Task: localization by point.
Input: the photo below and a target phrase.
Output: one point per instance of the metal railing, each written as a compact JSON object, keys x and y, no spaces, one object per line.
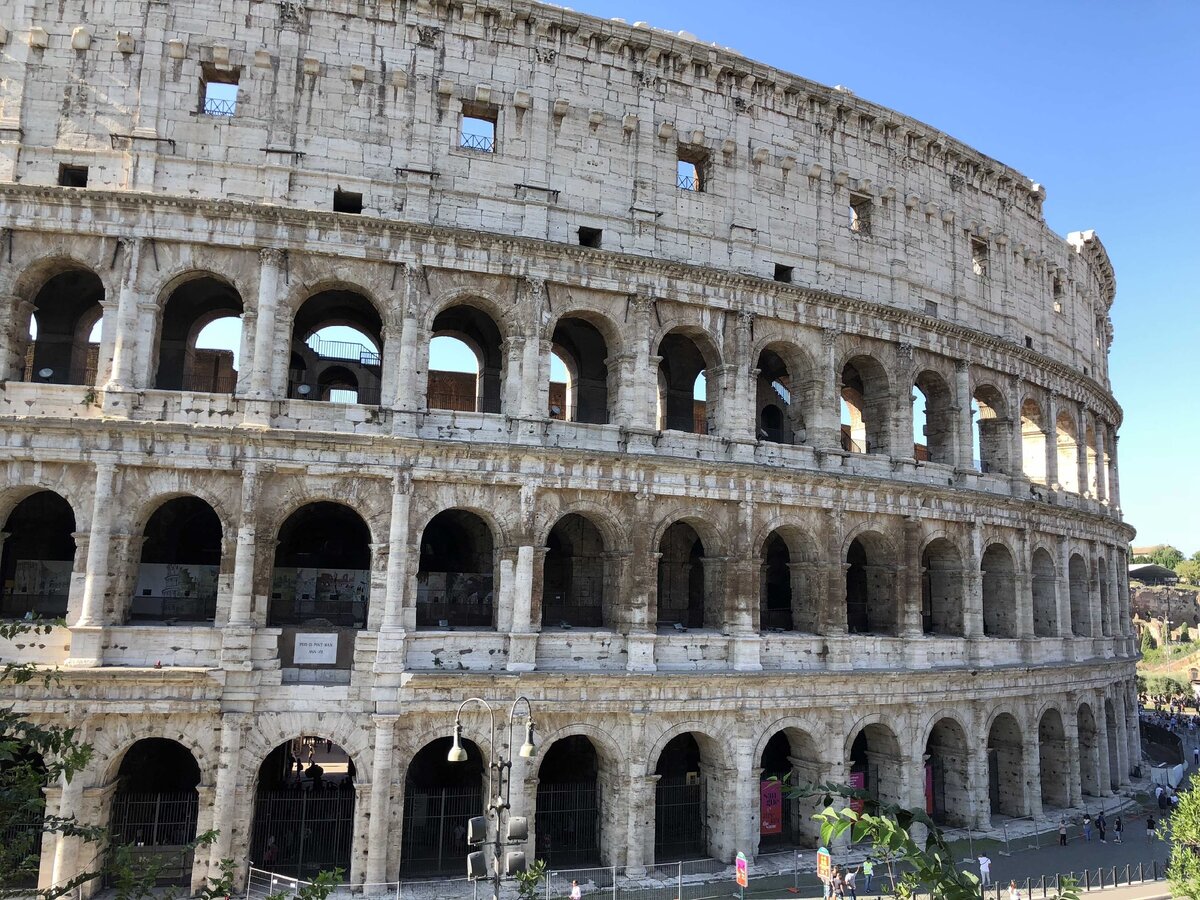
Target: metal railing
{"x":478,"y":142}
{"x":215,"y":106}
{"x":687,"y":183}
{"x":310,"y":389}
{"x":347,"y":351}
{"x":457,"y":599}
{"x":208,"y":383}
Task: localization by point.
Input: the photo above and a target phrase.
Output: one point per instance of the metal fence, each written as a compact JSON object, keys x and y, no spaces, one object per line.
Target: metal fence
{"x":159,"y":828}
{"x":435,"y":828}
{"x":299,"y":833}
{"x":568,"y":823}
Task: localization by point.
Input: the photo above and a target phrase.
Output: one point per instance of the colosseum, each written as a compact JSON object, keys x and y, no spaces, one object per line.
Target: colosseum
{"x":360,"y":358}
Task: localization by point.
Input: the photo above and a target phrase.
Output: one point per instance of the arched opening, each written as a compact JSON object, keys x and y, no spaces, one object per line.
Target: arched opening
{"x":1054,"y":762}
{"x":947,"y":787}
{"x":1067,"y":442}
{"x":681,"y":826}
{"x":452,"y":384}
{"x":775,"y":593}
{"x":870,"y":597}
{"x":1006,"y":767}
{"x":683,"y":389}
{"x":999,"y":592}
{"x":1045,"y":595}
{"x":941,"y":588}
{"x":790,"y":758}
{"x":779,"y":399}
{"x":322,"y":574}
{"x":23,"y":779}
{"x":1089,"y":751}
{"x":866,"y":397}
{"x":64,"y":330}
{"x":992,"y":431}
{"x":581,"y":392}
{"x":304,"y":809}
{"x":39,"y":554}
{"x":155,"y":806}
{"x":1093,"y":466}
{"x":1106,"y":610}
{"x":875,"y":764}
{"x":1114,"y":759}
{"x":933,"y":419}
{"x":1033,"y":441}
{"x":1081,"y":607}
{"x":683,"y":594}
{"x":455,"y":581}
{"x":338,"y":335}
{"x":439,"y":798}
{"x":574,"y":574}
{"x":200,"y":338}
{"x":569,"y":795}
{"x":181,"y":560}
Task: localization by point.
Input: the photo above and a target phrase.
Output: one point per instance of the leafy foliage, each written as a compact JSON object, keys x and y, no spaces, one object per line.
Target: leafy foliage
{"x":529,"y":880}
{"x":318,"y":889}
{"x":1183,"y":830}
{"x":1189,"y":570}
{"x":1147,"y":642}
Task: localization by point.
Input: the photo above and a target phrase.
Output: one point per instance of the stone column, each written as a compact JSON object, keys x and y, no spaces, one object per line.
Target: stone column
{"x":980,"y":804}
{"x":397,"y":567}
{"x":1024,"y":584}
{"x":900,"y":435}
{"x":824,"y":431}
{"x":411,"y":389}
{"x":66,"y":848}
{"x":1074,"y":784}
{"x":125,"y":336}
{"x":262,"y":365}
{"x":909,"y":581}
{"x":962,"y":392}
{"x":242,"y":596}
{"x":1051,"y":428}
{"x":87,"y":632}
{"x":505,"y":588}
{"x":1101,"y":458}
{"x":389,"y":373}
{"x":1114,"y":488}
{"x":1122,"y":742}
{"x":973,"y":586}
{"x":637,"y":389}
{"x":13,"y":335}
{"x":1103,"y":762}
{"x":1081,"y":448}
{"x":641,"y":823}
{"x":381,"y":782}
{"x":225,"y":791}
{"x":1066,"y":626}
{"x":1032,"y":763}
{"x":833,"y":618}
{"x":1095,"y":600}
{"x":739,"y":416}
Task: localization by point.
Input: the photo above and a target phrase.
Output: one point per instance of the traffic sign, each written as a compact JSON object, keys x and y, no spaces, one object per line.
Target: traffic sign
{"x":824,"y":864}
{"x":743,"y":870}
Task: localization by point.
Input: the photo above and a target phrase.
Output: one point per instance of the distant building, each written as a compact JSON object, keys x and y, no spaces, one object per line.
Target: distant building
{"x":1151,"y":574}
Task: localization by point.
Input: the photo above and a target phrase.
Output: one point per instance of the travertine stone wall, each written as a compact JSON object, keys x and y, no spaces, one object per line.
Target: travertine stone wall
{"x":1027,"y":664}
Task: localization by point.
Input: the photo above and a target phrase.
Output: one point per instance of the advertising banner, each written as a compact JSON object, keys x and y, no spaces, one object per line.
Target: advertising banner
{"x":858,"y":781}
{"x":770,"y":806}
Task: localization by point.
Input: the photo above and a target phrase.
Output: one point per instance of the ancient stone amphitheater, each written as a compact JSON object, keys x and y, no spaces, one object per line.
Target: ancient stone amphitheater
{"x":673,"y":497}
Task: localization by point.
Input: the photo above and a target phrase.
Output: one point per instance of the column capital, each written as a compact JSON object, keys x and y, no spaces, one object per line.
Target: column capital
{"x":272,"y":256}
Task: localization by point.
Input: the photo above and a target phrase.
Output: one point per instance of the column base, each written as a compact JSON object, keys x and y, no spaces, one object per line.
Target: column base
{"x":522,"y":652}
{"x":237,"y":648}
{"x":744,"y":653}
{"x":639,"y":440}
{"x":257,"y":414}
{"x":87,"y":647}
{"x":404,"y":423}
{"x":640,"y":648}
{"x":742,"y":449}
{"x":117,"y":400}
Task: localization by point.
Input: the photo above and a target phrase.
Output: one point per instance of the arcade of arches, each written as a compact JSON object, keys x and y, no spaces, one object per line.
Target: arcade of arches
{"x":688,"y":792}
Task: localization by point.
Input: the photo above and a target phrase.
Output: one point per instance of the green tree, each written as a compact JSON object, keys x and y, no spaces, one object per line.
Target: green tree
{"x":1188,"y":571}
{"x":1167,"y":556}
{"x":1147,"y":642}
{"x":1183,"y":830}
{"x":528,"y":881}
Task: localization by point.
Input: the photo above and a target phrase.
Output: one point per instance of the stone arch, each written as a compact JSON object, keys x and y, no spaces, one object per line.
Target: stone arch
{"x":687,"y":593}
{"x":179,"y":563}
{"x":1033,"y":440}
{"x":871,"y":606}
{"x":1054,"y":760}
{"x":439,"y":798}
{"x":1066,"y":435}
{"x":993,"y":429}
{"x":786,"y":392}
{"x":475,"y":323}
{"x":937,"y":418}
{"x":1106,"y":601}
{"x":317,"y":362}
{"x":1090,"y":776}
{"x":874,"y":760}
{"x":683,"y":815}
{"x":584,"y":341}
{"x":685,"y":353}
{"x":942,"y":587}
{"x":1000,"y":615}
{"x":1045,"y":594}
{"x":1081,"y":603}
{"x":322,"y":569}
{"x":38,"y":556}
{"x":576,"y":568}
{"x":573,"y":788}
{"x":189,"y":302}
{"x":787,"y":576}
{"x":457,"y":573}
{"x":947,"y":772}
{"x":787,"y":755}
{"x":1006,"y":766}
{"x":66,"y":308}
{"x":866,"y":400}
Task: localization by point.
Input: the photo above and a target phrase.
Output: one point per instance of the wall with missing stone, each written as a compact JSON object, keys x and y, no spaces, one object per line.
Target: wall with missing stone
{"x":755,"y":584}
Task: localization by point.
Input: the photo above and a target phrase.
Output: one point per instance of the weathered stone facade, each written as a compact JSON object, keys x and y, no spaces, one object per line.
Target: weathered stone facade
{"x":788,"y":570}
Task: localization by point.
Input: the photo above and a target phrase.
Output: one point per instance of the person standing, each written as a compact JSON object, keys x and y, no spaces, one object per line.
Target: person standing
{"x":1149,"y":828}
{"x":1087,"y":828}
{"x":1062,"y":831}
{"x":1102,"y":826}
{"x":868,"y":870}
{"x":848,"y":883}
{"x":1013,"y":893}
{"x":576,"y":892}
{"x":1118,"y":827}
{"x":985,"y":870}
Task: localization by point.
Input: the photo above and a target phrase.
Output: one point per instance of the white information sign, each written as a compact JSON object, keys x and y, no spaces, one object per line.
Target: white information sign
{"x":315,"y":649}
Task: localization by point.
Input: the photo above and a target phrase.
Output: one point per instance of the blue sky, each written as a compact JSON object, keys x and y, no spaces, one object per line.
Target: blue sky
{"x":1099,"y":102}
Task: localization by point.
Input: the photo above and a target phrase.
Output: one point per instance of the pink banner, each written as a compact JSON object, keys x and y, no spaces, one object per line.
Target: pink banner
{"x":858,"y":780}
{"x":770,"y":806}
{"x":929,"y":788}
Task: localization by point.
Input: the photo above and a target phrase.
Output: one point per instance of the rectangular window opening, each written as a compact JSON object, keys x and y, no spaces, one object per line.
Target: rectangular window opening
{"x":219,"y":91}
{"x":478,"y":131}
{"x":979,"y":257}
{"x":72,"y":176}
{"x":931,"y":309}
{"x":590,"y":237}
{"x":860,"y":213}
{"x":691,"y":170}
{"x":784,"y":273}
{"x":1028,"y":342}
{"x":347,"y":202}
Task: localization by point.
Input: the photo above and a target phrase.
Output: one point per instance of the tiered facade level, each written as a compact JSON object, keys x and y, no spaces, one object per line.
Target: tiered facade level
{"x":314,"y":539}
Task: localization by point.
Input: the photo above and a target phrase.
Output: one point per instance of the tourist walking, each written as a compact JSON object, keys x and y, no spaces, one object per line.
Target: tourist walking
{"x":985,"y":870}
{"x":1102,"y":826}
{"x":1118,"y":827}
{"x":1149,"y":828}
{"x":848,"y":884}
{"x":1062,"y":831}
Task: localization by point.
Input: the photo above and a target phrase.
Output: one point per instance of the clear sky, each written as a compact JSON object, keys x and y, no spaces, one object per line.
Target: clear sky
{"x":1099,"y":102}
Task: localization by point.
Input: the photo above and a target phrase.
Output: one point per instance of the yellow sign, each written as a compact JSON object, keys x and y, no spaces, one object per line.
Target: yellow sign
{"x":824,"y":864}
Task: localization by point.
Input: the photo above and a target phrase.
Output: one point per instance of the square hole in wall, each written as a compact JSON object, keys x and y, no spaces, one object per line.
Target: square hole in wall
{"x":691,"y":170}
{"x":979,"y":257}
{"x":590,"y":237}
{"x":1028,"y":342}
{"x":347,"y":202}
{"x":73,"y":176}
{"x":931,"y":308}
{"x":478,"y":131}
{"x":784,"y":273}
{"x":219,"y":91}
{"x":860,"y":213}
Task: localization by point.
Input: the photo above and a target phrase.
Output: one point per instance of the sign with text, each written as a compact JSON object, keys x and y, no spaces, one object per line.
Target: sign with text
{"x":770,"y":804}
{"x":858,"y":781}
{"x":743,"y":870}
{"x":315,"y":649}
{"x":824,"y":864}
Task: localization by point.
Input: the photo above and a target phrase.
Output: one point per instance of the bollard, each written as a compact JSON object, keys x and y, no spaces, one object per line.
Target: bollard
{"x":1087,"y":879}
{"x":1141,"y":874}
{"x":1155,"y":864}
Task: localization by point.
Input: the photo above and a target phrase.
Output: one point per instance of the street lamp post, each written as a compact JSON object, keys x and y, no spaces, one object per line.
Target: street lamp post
{"x":491,"y":828}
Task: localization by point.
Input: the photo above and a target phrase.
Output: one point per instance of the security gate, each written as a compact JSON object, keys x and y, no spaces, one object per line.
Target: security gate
{"x":680,"y":821}
{"x":435,"y":829}
{"x":302,"y":833}
{"x":568,"y":824}
{"x":158,"y":827}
